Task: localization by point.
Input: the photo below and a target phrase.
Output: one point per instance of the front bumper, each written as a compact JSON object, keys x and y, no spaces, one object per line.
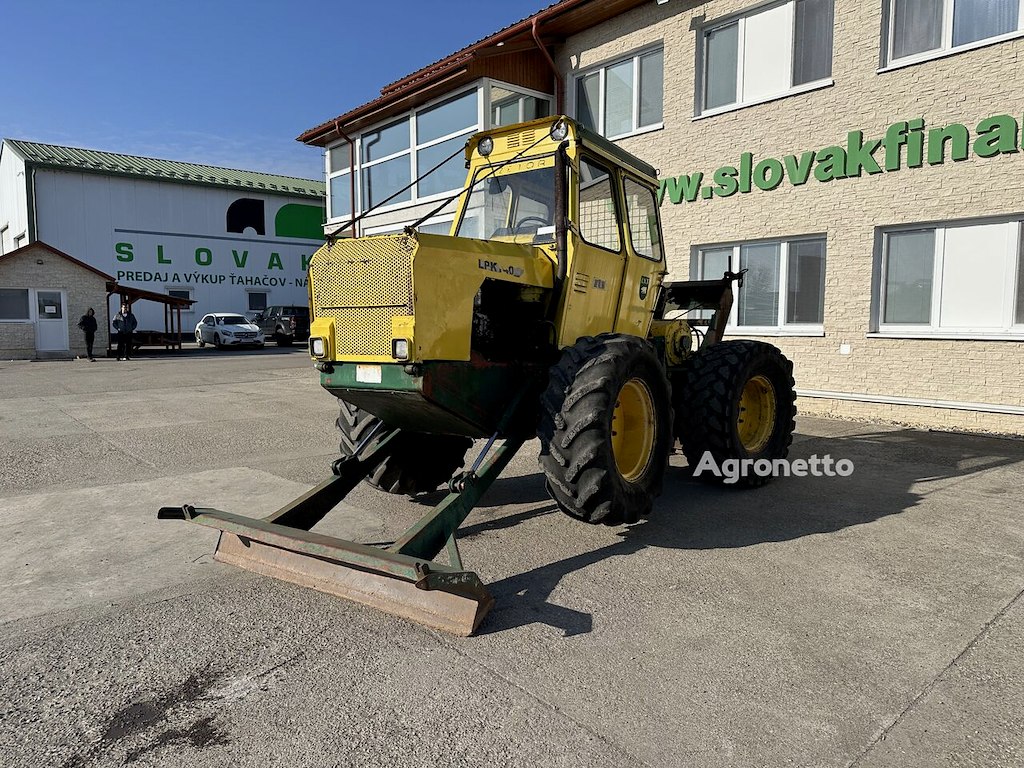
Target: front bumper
{"x":236,"y":342}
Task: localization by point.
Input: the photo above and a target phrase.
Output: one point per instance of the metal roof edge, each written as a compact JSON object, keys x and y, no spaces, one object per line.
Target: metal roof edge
{"x":426,"y":74}
{"x":177,"y":170}
{"x":177,"y":180}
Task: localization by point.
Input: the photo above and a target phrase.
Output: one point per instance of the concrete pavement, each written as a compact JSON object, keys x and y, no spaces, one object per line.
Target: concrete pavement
{"x":874,"y":620}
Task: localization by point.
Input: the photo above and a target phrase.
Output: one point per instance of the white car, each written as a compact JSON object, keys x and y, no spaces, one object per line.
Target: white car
{"x":227,"y":329}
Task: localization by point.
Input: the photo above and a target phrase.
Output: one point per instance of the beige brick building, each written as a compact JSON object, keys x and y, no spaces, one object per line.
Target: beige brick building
{"x":861,"y":159}
{"x":44,"y":293}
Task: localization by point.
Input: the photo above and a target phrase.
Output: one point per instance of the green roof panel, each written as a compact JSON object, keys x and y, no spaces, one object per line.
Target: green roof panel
{"x":115,"y":164}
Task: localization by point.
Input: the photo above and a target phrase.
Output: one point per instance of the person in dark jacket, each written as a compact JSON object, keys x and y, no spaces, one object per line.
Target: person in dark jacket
{"x":125,"y":324}
{"x":88,"y":326}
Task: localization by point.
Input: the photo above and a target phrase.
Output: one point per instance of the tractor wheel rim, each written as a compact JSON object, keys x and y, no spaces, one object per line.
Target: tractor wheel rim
{"x":634,"y":429}
{"x":756,"y":420}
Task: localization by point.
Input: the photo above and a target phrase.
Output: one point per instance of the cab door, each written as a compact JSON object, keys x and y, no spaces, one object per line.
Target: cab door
{"x":591,"y":292}
{"x":645,"y":259}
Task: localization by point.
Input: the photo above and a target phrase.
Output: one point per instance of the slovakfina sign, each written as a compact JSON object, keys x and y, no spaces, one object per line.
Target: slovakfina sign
{"x":906,"y":143}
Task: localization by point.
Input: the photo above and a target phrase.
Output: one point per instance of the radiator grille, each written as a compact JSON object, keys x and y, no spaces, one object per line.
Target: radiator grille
{"x":363,"y":283}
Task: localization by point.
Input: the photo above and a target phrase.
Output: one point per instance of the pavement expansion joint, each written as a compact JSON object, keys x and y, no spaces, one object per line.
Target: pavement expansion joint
{"x":633,"y":758}
{"x":985,"y":630}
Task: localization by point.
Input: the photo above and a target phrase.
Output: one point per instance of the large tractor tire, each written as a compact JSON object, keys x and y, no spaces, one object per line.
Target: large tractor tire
{"x":606,"y":429}
{"x":735,"y":400}
{"x":420,"y":462}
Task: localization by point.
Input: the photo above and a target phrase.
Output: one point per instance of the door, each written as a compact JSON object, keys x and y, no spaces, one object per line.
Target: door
{"x":51,"y":322}
{"x":593,"y":287}
{"x":206,"y":329}
{"x":645,"y":267}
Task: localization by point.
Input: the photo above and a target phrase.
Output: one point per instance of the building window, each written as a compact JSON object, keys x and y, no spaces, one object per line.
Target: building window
{"x":512,"y":105}
{"x":257,"y":300}
{"x":182,"y":293}
{"x":436,"y":225}
{"x":960,"y":280}
{"x":390,"y":156}
{"x":767,"y":53}
{"x":624,"y":97}
{"x":920,"y":29}
{"x":783,"y":288}
{"x":14,"y":304}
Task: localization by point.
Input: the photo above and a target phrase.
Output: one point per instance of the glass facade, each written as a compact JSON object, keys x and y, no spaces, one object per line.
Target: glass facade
{"x":425,"y":145}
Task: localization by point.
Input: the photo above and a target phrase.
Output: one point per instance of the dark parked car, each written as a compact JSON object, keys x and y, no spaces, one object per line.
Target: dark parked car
{"x":284,"y":325}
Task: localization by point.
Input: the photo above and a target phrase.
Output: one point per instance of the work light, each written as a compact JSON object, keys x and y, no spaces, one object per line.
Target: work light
{"x":486,"y":146}
{"x":559,"y":130}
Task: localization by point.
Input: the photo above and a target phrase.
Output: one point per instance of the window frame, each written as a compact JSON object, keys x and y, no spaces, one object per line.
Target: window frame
{"x":616,"y":195}
{"x":482,"y":89}
{"x":1011,"y":330}
{"x":523,"y":93}
{"x":190,"y":310}
{"x":782,"y":327}
{"x":739,"y":18}
{"x":946,"y":47}
{"x":626,"y":177}
{"x":30,"y":303}
{"x":396,"y":228}
{"x":601,"y":70}
{"x":267,"y":306}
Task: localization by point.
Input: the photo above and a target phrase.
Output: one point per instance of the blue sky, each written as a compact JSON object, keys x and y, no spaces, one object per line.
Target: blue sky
{"x":223,"y":82}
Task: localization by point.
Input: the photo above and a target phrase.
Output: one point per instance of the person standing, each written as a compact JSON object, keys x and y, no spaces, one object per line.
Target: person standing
{"x":88,"y":326}
{"x":125,"y":324}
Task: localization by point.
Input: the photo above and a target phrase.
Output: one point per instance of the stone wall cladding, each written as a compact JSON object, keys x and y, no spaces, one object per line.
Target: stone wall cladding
{"x":82,"y":287}
{"x":961,"y":88}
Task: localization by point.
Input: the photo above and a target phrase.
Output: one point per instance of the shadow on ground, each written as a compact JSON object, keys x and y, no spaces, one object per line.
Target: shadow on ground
{"x":893,"y":470}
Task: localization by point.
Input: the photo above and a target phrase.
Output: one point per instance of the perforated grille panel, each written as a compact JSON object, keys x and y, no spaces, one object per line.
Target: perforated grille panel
{"x":363,"y":283}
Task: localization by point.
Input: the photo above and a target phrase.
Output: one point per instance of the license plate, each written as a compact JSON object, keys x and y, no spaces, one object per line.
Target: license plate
{"x":368,"y":374}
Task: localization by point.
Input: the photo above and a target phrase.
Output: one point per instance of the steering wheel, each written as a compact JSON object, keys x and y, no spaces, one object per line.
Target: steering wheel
{"x":539,"y":219}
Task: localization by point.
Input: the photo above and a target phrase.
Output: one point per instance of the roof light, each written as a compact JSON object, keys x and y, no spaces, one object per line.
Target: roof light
{"x":559,"y":130}
{"x":485,"y":146}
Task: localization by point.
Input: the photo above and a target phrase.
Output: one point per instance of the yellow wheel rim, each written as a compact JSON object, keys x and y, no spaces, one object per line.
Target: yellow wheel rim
{"x":633,"y":429}
{"x":756,"y":419}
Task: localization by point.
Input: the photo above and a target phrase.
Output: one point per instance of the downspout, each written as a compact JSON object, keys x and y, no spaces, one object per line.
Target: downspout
{"x":351,"y":172}
{"x":559,"y":80}
{"x":30,"y":203}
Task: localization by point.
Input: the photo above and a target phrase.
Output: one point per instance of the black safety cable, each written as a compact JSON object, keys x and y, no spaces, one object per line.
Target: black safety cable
{"x":408,"y":186}
{"x":493,"y":170}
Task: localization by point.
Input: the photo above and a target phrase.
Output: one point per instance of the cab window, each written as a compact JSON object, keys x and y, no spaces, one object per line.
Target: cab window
{"x":599,"y":224}
{"x":642,"y":208}
{"x":515,"y":205}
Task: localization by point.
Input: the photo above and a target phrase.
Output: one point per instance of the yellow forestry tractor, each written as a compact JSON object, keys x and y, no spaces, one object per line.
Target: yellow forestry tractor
{"x":544,"y":313}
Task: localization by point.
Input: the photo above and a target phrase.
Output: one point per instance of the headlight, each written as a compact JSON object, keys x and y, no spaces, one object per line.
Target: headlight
{"x":227,"y":333}
{"x":400,"y":349}
{"x":486,"y":146}
{"x":317,"y":347}
{"x":559,"y":130}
